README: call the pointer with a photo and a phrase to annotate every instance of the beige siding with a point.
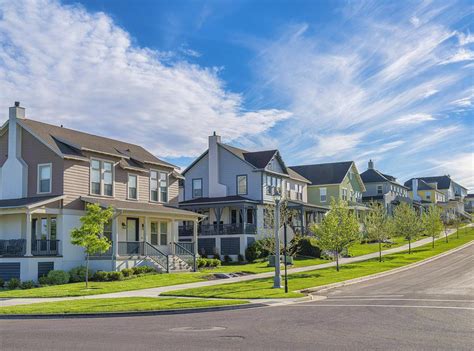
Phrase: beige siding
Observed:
(34, 153)
(173, 191)
(3, 148)
(76, 183)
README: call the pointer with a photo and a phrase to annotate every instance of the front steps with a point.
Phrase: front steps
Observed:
(176, 265)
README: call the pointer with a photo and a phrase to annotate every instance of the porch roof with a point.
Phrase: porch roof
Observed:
(218, 201)
(141, 207)
(29, 202)
(306, 205)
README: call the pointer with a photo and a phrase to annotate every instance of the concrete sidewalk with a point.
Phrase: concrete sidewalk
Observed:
(155, 292)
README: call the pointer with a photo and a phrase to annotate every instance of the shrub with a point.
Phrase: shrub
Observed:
(215, 262)
(58, 277)
(114, 276)
(127, 272)
(227, 259)
(2, 283)
(304, 246)
(201, 262)
(100, 276)
(27, 284)
(43, 280)
(13, 283)
(143, 270)
(240, 258)
(78, 274)
(216, 256)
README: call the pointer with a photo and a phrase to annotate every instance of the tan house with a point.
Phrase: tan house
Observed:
(47, 176)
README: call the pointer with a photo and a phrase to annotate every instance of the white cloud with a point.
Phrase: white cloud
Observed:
(330, 145)
(460, 56)
(459, 167)
(465, 38)
(415, 118)
(72, 67)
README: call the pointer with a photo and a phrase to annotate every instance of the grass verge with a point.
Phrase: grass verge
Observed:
(262, 288)
(126, 304)
(95, 288)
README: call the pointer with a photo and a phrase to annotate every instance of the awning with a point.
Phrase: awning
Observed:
(133, 206)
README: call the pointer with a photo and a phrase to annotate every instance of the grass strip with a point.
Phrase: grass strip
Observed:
(125, 304)
(262, 288)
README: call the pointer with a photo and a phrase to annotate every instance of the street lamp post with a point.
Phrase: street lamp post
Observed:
(277, 278)
(285, 256)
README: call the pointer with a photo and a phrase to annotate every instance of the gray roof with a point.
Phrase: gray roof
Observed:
(69, 142)
(422, 185)
(29, 202)
(324, 173)
(374, 176)
(223, 199)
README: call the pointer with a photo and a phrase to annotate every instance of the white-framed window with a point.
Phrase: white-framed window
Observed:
(428, 195)
(344, 194)
(154, 186)
(132, 187)
(44, 178)
(154, 233)
(288, 189)
(323, 194)
(163, 233)
(242, 184)
(379, 189)
(197, 187)
(102, 178)
(163, 187)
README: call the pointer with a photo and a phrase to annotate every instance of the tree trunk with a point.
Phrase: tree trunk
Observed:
(433, 240)
(337, 260)
(409, 246)
(457, 232)
(446, 234)
(380, 251)
(87, 271)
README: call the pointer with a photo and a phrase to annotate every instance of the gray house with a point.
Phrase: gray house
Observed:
(233, 188)
(383, 188)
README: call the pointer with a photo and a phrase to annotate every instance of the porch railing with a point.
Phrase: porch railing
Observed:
(131, 248)
(45, 247)
(157, 256)
(186, 255)
(13, 247)
(227, 229)
(185, 230)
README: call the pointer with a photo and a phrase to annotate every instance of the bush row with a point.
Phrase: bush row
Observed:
(208, 262)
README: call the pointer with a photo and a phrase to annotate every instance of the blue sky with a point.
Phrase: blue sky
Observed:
(322, 81)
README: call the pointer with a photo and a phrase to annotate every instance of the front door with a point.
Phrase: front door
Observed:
(132, 229)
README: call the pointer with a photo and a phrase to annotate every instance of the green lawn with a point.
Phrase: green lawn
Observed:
(125, 304)
(364, 249)
(262, 288)
(78, 289)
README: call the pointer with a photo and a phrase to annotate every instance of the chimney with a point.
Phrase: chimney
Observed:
(13, 177)
(371, 164)
(414, 187)
(215, 188)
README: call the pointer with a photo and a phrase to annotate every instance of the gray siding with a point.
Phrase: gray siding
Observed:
(3, 148)
(199, 170)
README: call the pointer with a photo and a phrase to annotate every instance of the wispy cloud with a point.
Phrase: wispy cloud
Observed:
(415, 118)
(72, 67)
(460, 167)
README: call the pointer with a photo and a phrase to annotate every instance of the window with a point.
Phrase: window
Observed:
(154, 233)
(163, 233)
(323, 194)
(344, 194)
(154, 186)
(428, 195)
(164, 186)
(288, 190)
(102, 178)
(249, 215)
(241, 185)
(197, 187)
(379, 189)
(108, 230)
(132, 187)
(44, 178)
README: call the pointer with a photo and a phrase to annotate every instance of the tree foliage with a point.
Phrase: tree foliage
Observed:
(407, 223)
(378, 226)
(432, 222)
(90, 234)
(338, 230)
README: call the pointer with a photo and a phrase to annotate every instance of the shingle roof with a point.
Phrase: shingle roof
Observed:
(374, 176)
(444, 182)
(223, 199)
(72, 143)
(422, 185)
(27, 202)
(258, 159)
(324, 173)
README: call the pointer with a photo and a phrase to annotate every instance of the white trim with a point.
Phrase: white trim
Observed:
(38, 178)
(167, 187)
(128, 183)
(101, 177)
(157, 187)
(325, 194)
(37, 137)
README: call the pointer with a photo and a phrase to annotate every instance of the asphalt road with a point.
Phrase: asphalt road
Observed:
(430, 307)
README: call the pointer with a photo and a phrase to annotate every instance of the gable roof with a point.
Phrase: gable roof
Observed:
(374, 176)
(444, 182)
(324, 173)
(422, 185)
(72, 143)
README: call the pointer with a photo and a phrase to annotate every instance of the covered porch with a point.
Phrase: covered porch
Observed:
(306, 214)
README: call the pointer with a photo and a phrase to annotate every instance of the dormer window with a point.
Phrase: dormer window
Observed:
(44, 178)
(102, 178)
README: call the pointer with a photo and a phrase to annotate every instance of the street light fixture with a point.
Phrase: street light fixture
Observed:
(277, 278)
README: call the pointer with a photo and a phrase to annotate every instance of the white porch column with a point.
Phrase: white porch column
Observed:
(195, 237)
(115, 236)
(174, 235)
(28, 234)
(145, 230)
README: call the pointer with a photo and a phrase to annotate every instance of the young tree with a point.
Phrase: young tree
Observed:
(377, 225)
(407, 223)
(338, 230)
(90, 234)
(457, 221)
(432, 223)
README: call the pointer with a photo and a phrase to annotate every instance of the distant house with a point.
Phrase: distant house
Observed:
(383, 188)
(469, 203)
(440, 190)
(338, 180)
(233, 189)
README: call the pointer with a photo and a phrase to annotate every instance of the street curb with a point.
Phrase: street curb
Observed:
(132, 314)
(322, 288)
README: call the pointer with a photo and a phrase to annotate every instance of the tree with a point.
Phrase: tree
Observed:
(90, 234)
(338, 230)
(377, 225)
(432, 223)
(457, 221)
(407, 223)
